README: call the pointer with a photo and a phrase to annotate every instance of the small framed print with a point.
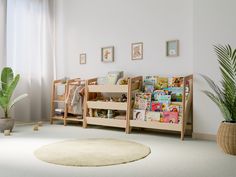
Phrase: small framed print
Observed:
(137, 51)
(82, 58)
(107, 54)
(172, 48)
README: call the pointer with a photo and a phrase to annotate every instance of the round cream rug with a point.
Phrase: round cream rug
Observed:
(92, 152)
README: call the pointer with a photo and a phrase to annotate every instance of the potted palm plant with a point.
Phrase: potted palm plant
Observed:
(8, 85)
(224, 96)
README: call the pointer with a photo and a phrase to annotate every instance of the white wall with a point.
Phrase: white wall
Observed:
(214, 22)
(88, 25)
(2, 32)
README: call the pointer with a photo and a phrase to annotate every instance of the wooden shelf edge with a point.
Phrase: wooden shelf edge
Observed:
(156, 125)
(106, 122)
(107, 105)
(108, 88)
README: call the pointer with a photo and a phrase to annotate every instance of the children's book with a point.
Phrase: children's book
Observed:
(156, 106)
(170, 117)
(176, 93)
(139, 114)
(160, 92)
(153, 116)
(162, 82)
(148, 88)
(164, 106)
(175, 82)
(173, 108)
(142, 101)
(150, 80)
(163, 98)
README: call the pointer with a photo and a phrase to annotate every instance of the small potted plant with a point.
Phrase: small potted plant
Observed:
(8, 85)
(224, 96)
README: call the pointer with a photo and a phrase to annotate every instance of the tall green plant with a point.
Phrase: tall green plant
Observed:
(8, 85)
(224, 95)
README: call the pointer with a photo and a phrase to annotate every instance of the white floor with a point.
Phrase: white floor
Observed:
(169, 156)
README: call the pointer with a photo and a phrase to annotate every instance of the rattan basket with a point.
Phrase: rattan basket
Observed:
(226, 137)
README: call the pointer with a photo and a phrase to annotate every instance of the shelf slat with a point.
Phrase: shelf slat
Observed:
(155, 125)
(58, 101)
(106, 122)
(108, 88)
(58, 117)
(74, 119)
(107, 105)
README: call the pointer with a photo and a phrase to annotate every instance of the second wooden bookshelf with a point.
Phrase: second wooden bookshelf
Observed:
(92, 90)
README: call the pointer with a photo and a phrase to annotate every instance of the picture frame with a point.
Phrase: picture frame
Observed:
(172, 48)
(137, 51)
(82, 58)
(107, 54)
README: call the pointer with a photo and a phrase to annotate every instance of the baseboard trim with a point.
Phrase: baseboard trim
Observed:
(204, 136)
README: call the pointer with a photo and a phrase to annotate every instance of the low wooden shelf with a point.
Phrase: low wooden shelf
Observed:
(61, 99)
(155, 125)
(108, 88)
(107, 105)
(92, 90)
(186, 114)
(106, 122)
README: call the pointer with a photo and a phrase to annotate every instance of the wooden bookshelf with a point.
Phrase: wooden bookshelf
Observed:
(91, 91)
(61, 99)
(185, 118)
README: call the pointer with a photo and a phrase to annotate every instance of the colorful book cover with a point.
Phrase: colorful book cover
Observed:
(163, 98)
(148, 88)
(150, 80)
(176, 93)
(156, 106)
(170, 117)
(153, 116)
(162, 82)
(143, 101)
(174, 108)
(175, 82)
(164, 106)
(139, 114)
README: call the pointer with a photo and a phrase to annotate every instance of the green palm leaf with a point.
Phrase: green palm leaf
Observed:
(225, 95)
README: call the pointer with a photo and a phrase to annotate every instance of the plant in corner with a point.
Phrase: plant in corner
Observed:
(224, 96)
(8, 85)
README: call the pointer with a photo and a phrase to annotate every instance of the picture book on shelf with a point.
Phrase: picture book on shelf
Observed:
(148, 88)
(163, 98)
(153, 116)
(162, 82)
(149, 80)
(176, 93)
(160, 92)
(156, 106)
(164, 106)
(170, 117)
(142, 101)
(139, 114)
(175, 82)
(174, 108)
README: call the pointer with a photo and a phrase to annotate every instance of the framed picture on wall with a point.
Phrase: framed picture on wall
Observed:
(172, 48)
(137, 51)
(107, 54)
(82, 58)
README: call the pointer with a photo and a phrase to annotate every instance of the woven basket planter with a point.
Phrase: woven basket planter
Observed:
(226, 137)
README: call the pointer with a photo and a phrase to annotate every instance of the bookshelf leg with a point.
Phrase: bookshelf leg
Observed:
(65, 123)
(182, 135)
(84, 124)
(128, 130)
(51, 121)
